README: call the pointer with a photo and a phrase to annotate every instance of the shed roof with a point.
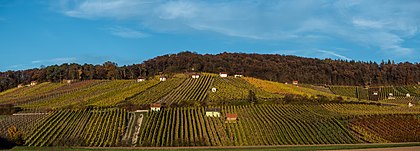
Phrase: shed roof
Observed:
(155, 105)
(212, 109)
(231, 115)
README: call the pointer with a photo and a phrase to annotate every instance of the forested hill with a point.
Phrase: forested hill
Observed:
(265, 66)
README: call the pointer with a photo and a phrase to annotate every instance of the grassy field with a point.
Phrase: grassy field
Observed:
(245, 148)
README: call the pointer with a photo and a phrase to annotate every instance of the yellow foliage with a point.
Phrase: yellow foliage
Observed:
(280, 88)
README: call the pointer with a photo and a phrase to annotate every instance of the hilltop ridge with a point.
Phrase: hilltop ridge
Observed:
(271, 67)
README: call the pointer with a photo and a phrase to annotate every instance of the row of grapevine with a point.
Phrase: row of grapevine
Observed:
(280, 88)
(403, 100)
(24, 123)
(385, 128)
(117, 95)
(83, 96)
(89, 127)
(257, 125)
(22, 93)
(366, 109)
(191, 91)
(348, 91)
(153, 94)
(40, 94)
(363, 93)
(234, 89)
(413, 90)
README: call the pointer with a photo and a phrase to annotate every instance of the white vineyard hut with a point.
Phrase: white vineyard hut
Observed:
(34, 83)
(155, 107)
(162, 78)
(238, 75)
(141, 79)
(213, 112)
(223, 74)
(195, 76)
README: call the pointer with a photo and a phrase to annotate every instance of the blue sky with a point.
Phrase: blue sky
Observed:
(35, 33)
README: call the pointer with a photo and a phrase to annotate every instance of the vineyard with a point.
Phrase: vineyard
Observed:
(105, 113)
(234, 89)
(89, 127)
(366, 109)
(280, 88)
(155, 93)
(104, 93)
(257, 125)
(388, 128)
(384, 92)
(24, 123)
(191, 91)
(348, 91)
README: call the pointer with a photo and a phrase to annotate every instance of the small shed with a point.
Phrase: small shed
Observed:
(374, 93)
(407, 95)
(141, 111)
(295, 82)
(213, 112)
(238, 75)
(162, 78)
(223, 74)
(231, 117)
(68, 81)
(410, 104)
(141, 79)
(391, 96)
(195, 75)
(155, 107)
(20, 86)
(33, 83)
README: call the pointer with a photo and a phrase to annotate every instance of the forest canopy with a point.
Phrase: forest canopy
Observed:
(281, 68)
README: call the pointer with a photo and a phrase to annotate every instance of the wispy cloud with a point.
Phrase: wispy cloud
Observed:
(334, 54)
(126, 32)
(358, 22)
(55, 60)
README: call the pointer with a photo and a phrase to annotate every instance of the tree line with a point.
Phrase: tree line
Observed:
(281, 68)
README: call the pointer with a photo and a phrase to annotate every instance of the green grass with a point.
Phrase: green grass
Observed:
(246, 148)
